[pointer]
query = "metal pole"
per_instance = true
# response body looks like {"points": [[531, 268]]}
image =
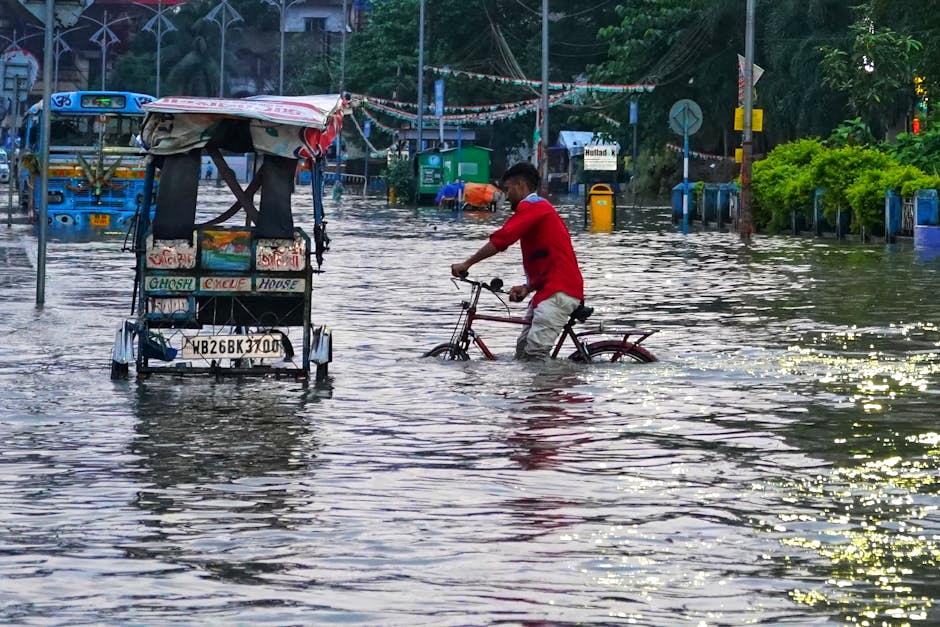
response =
{"points": [[44, 162], [280, 74], [365, 187], [543, 165], [58, 53], [746, 225], [222, 55], [685, 179], [13, 177], [342, 62], [635, 120], [55, 69], [104, 49], [420, 76], [159, 38], [342, 88], [440, 119]]}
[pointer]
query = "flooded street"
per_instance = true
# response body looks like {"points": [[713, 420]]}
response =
{"points": [[781, 463]]}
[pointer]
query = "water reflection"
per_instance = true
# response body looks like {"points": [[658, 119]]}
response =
{"points": [[780, 465], [221, 464], [549, 418]]}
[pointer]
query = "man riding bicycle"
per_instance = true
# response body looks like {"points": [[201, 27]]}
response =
{"points": [[551, 267]]}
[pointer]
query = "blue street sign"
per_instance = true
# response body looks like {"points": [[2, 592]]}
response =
{"points": [[367, 129], [685, 117], [634, 112], [439, 97]]}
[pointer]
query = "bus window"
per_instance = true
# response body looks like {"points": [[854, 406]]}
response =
{"points": [[84, 130]]}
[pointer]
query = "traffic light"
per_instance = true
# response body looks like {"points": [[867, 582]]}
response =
{"points": [[916, 126]]}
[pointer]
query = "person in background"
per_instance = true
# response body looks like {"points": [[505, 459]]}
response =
{"points": [[450, 195], [553, 276]]}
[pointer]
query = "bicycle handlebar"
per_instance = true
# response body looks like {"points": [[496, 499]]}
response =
{"points": [[495, 285]]}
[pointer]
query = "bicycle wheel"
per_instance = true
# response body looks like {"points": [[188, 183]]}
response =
{"points": [[612, 351], [448, 352]]}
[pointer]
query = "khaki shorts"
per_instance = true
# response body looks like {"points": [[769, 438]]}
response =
{"points": [[548, 320]]}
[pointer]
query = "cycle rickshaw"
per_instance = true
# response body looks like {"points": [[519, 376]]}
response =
{"points": [[215, 297]]}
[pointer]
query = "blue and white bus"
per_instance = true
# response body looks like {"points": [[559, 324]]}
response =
{"points": [[96, 165]]}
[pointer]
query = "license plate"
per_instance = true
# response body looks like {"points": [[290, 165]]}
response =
{"points": [[100, 219], [232, 347]]}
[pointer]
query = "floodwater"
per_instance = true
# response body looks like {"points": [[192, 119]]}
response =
{"points": [[781, 464]]}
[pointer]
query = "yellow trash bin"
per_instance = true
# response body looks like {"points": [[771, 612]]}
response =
{"points": [[602, 202]]}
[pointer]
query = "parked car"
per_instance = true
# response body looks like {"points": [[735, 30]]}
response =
{"points": [[4, 167]]}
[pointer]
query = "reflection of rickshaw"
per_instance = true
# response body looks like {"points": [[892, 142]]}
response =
{"points": [[219, 299]]}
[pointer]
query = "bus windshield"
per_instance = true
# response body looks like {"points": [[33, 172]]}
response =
{"points": [[94, 130]]}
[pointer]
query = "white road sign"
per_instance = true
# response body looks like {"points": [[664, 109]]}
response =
{"points": [[601, 157]]}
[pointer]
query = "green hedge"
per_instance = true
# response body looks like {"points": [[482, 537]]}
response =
{"points": [[853, 177], [783, 183]]}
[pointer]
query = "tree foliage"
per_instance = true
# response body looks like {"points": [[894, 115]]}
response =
{"points": [[823, 59], [875, 71], [850, 177], [191, 53]]}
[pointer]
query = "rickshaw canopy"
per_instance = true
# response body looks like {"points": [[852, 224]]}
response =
{"points": [[297, 127]]}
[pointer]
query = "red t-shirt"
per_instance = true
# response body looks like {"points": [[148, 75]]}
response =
{"points": [[547, 255]]}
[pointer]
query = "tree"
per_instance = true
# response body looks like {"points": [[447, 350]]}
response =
{"points": [[191, 53], [875, 71]]}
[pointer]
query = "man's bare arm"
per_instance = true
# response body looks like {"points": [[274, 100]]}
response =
{"points": [[486, 251]]}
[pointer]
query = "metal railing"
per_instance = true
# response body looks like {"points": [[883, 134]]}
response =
{"points": [[907, 218]]}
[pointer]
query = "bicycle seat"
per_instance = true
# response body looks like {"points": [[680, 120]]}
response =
{"points": [[582, 313]]}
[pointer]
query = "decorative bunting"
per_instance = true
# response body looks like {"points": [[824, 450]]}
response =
{"points": [[698, 155], [557, 86], [398, 104], [382, 127], [471, 119]]}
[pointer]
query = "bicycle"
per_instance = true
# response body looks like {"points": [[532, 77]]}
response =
{"points": [[603, 350]]}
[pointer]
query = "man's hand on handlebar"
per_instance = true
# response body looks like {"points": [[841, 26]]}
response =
{"points": [[518, 293], [460, 270]]}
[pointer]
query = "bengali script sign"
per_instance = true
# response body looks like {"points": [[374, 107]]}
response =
{"points": [[171, 255], [281, 255]]}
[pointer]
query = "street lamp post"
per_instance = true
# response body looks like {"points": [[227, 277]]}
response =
{"points": [[44, 161], [158, 25], [342, 90], [420, 120], [342, 57], [105, 38], [543, 165], [281, 6], [19, 85], [224, 15], [61, 47], [15, 41]]}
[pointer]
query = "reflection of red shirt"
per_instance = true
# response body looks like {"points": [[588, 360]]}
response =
{"points": [[547, 255]]}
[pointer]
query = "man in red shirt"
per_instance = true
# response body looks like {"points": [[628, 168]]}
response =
{"points": [[548, 258]]}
